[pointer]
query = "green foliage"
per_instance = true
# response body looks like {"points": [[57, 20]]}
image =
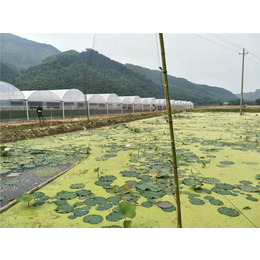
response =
{"points": [[127, 209], [26, 198], [4, 151], [257, 101]]}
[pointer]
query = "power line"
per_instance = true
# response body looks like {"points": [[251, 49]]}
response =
{"points": [[225, 40], [215, 43], [254, 55], [253, 61]]}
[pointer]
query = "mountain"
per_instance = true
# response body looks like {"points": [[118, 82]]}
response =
{"points": [[183, 89], [251, 96], [18, 53]]}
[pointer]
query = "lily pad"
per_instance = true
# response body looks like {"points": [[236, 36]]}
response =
{"points": [[216, 202], [224, 186], [221, 191], [103, 207], [228, 211], [197, 201], [83, 193], [171, 209], [252, 198], [257, 176], [107, 178], [211, 180], [12, 182], [114, 216], [81, 211], [192, 182], [164, 204], [248, 188], [209, 197], [127, 209], [93, 219], [147, 204], [77, 186], [131, 183], [245, 182], [114, 200], [227, 162], [64, 208], [66, 195], [129, 174]]}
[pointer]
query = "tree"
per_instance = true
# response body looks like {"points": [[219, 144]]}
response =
{"points": [[257, 101]]}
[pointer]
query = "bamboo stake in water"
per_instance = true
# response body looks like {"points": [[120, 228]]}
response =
{"points": [[177, 194]]}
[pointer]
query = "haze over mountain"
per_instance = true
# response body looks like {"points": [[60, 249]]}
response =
{"points": [[92, 72], [252, 96]]}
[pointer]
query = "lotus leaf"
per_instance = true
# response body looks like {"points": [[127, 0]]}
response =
{"points": [[83, 193], [78, 204], [152, 194], [12, 182], [148, 186], [144, 177], [114, 216], [72, 216], [248, 188], [147, 204], [221, 191], [252, 198], [211, 180], [224, 186], [39, 203], [60, 202], [93, 219], [107, 178], [209, 197], [171, 209], [127, 209], [257, 176], [192, 182], [228, 211], [66, 195], [131, 183], [164, 204], [77, 186], [196, 201], [216, 202], [114, 200], [81, 211], [227, 162], [201, 190], [64, 208], [103, 207], [38, 194], [129, 173], [245, 182]]}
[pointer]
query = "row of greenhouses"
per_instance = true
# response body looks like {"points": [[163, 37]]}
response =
{"points": [[68, 103]]}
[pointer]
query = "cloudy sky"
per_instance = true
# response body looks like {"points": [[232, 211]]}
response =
{"points": [[204, 58]]}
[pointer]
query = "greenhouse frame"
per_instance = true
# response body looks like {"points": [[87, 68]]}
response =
{"points": [[148, 104], [113, 103], [96, 105]]}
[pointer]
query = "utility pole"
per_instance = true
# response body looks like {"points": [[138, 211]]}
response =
{"points": [[242, 81], [167, 96]]}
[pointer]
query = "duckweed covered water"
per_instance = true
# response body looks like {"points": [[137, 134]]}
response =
{"points": [[218, 159]]}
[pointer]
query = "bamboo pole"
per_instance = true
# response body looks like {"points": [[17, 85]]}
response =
{"points": [[177, 194]]}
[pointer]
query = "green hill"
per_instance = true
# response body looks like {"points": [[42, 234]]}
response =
{"points": [[92, 73], [183, 89], [18, 53]]}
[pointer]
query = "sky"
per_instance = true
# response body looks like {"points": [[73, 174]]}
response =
{"points": [[204, 58]]}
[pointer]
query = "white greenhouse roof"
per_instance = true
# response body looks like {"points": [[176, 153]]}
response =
{"points": [[40, 96], [149, 101], [134, 99], [111, 98], [10, 92], [69, 95], [95, 98], [160, 101], [126, 100]]}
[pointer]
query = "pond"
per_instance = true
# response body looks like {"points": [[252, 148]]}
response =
{"points": [[218, 164]]}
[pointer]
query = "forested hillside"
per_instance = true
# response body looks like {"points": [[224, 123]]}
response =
{"points": [[18, 53], [251, 96], [183, 89]]}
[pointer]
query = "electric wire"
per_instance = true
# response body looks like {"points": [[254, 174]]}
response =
{"points": [[225, 197], [253, 61], [215, 43], [225, 40]]}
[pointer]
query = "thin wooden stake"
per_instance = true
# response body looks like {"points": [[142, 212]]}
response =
{"points": [[177, 194]]}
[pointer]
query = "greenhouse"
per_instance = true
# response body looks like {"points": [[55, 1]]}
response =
{"points": [[113, 103], [127, 105], [96, 105], [148, 104], [160, 104], [136, 103], [12, 103], [73, 102], [49, 101]]}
